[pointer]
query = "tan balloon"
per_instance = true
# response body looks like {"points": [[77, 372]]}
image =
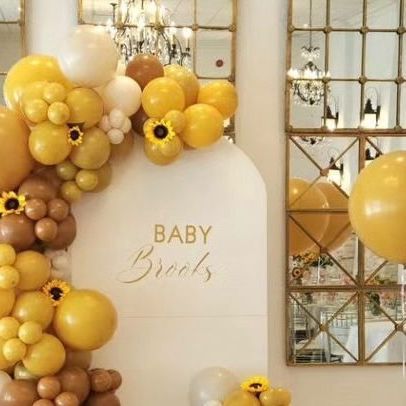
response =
{"points": [[123, 150], [100, 380], [143, 68], [35, 209], [66, 234], [67, 399], [43, 402], [38, 187], [81, 359], [58, 209], [15, 158], [18, 231], [116, 379], [46, 229], [18, 393], [49, 387], [187, 80], [75, 380], [103, 399], [241, 398]]}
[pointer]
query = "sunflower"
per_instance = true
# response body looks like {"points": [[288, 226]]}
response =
{"points": [[11, 203], [56, 290], [75, 136], [159, 132], [256, 384]]}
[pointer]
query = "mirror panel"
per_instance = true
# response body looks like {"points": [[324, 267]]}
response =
{"points": [[346, 13]]}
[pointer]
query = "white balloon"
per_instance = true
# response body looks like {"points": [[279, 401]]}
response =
{"points": [[126, 127], [122, 93], [117, 118], [4, 379], [105, 124], [61, 260], [212, 383], [213, 403], [89, 56], [116, 136]]}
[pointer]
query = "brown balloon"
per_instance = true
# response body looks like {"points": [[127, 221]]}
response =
{"points": [[17, 230], [100, 380], [138, 120], [116, 379], [75, 380], [58, 209], [121, 151], [46, 229], [35, 209], [143, 68], [49, 387], [81, 359], [18, 393], [39, 188], [49, 173], [103, 399], [67, 399], [66, 234], [43, 402]]}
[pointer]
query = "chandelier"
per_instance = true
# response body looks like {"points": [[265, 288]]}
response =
{"points": [[146, 26]]}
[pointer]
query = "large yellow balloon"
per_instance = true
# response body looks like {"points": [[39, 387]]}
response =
{"points": [[276, 397], [204, 126], [241, 398], [222, 95], [4, 364], [27, 70], [377, 206], [34, 269], [7, 299], [303, 196], [187, 81], [162, 95], [46, 357], [86, 107], [339, 227], [85, 320], [15, 158]]}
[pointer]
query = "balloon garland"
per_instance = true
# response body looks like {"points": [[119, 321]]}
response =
{"points": [[65, 120]]}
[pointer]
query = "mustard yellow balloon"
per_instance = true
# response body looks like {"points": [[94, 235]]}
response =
{"points": [[377, 207], [58, 113], [241, 398], [30, 332], [71, 192], [9, 277], [34, 269], [49, 143], [46, 357], [204, 126], [27, 70], [155, 155], [85, 320], [162, 95], [276, 397], [66, 170], [177, 119], [187, 80], [7, 299], [87, 180], [304, 196], [222, 95], [85, 106], [33, 306], [93, 152], [4, 364], [9, 328], [14, 350], [7, 254]]}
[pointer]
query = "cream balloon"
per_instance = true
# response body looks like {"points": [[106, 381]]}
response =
{"points": [[122, 93], [88, 57], [4, 379]]}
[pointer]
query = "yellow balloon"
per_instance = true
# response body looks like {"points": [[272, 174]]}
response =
{"points": [[377, 207], [241, 398], [155, 155], [32, 91], [303, 196], [14, 350], [46, 357], [162, 95], [15, 159], [81, 359], [339, 227], [94, 151], [49, 143], [8, 327], [204, 126], [7, 299], [177, 119], [87, 180], [54, 92], [7, 254], [71, 192], [104, 175], [86, 107], [276, 397], [85, 320], [9, 277], [35, 110], [222, 95], [33, 306], [4, 364], [58, 113], [34, 269], [30, 332], [27, 70], [66, 170], [187, 80]]}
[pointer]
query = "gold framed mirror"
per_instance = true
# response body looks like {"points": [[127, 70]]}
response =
{"points": [[345, 106], [12, 36]]}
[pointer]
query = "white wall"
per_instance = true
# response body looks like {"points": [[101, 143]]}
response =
{"points": [[261, 75]]}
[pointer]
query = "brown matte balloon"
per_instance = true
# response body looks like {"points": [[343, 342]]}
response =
{"points": [[100, 380], [116, 379], [18, 393], [38, 187], [143, 68], [18, 231], [43, 402], [49, 387], [66, 234], [49, 173], [67, 399], [58, 209], [103, 399], [75, 380], [35, 209], [46, 229], [138, 120]]}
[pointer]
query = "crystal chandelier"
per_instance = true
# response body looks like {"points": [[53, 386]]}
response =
{"points": [[146, 26]]}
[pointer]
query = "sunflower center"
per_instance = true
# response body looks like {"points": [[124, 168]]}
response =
{"points": [[12, 204], [161, 131], [56, 293], [256, 385], [74, 135]]}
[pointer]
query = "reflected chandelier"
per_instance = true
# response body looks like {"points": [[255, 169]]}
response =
{"points": [[146, 26]]}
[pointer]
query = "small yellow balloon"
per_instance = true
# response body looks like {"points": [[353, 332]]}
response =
{"points": [[9, 277], [222, 95], [35, 110], [49, 143], [33, 306], [54, 92], [66, 170], [34, 90], [71, 192], [30, 332], [86, 107], [177, 119], [58, 113], [46, 357], [162, 95], [104, 175], [94, 151], [276, 397], [87, 180], [4, 364], [14, 350], [9, 328], [85, 320], [204, 126], [186, 79], [155, 155], [7, 299], [241, 398], [7, 254], [172, 148], [34, 269]]}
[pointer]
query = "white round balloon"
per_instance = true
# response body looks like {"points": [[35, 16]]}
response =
{"points": [[122, 93], [89, 56]]}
